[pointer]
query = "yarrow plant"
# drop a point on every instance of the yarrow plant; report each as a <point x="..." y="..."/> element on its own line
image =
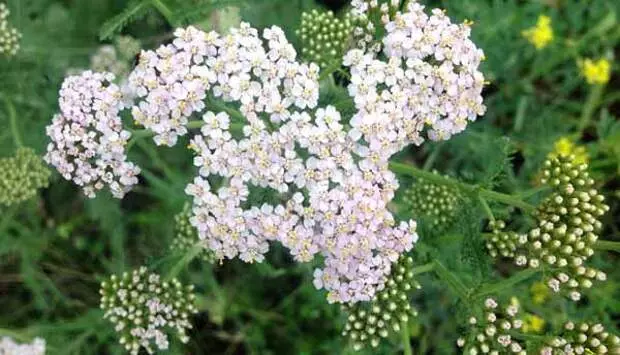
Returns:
<point x="9" y="36"/>
<point x="186" y="236"/>
<point x="22" y="176"/>
<point x="368" y="323"/>
<point x="502" y="331"/>
<point x="145" y="309"/>
<point x="568" y="227"/>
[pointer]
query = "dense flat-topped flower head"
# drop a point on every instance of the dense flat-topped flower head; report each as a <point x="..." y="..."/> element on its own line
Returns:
<point x="9" y="36"/>
<point x="22" y="176"/>
<point x="87" y="136"/>
<point x="9" y="347"/>
<point x="145" y="309"/>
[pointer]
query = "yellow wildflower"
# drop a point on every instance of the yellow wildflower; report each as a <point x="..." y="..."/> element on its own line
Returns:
<point x="540" y="292"/>
<point x="565" y="147"/>
<point x="595" y="72"/>
<point x="541" y="34"/>
<point x="533" y="323"/>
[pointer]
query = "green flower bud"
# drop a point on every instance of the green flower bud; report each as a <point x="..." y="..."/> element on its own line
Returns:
<point x="22" y="176"/>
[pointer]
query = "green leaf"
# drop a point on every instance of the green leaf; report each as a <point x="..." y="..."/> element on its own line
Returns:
<point x="134" y="11"/>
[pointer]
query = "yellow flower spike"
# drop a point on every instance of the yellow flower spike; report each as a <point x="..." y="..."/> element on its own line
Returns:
<point x="533" y="323"/>
<point x="595" y="72"/>
<point x="541" y="34"/>
<point x="540" y="292"/>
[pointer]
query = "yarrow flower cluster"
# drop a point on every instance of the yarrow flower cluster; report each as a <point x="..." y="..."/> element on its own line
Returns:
<point x="431" y="203"/>
<point x="368" y="323"/>
<point x="596" y="72"/>
<point x="9" y="36"/>
<point x="431" y="79"/>
<point x="87" y="137"/>
<point x="541" y="34"/>
<point x="583" y="338"/>
<point x="9" y="347"/>
<point x="334" y="184"/>
<point x="490" y="333"/>
<point x="144" y="309"/>
<point x="568" y="223"/>
<point x="173" y="81"/>
<point x="22" y="176"/>
<point x="186" y="236"/>
<point x="344" y="214"/>
<point x="324" y="37"/>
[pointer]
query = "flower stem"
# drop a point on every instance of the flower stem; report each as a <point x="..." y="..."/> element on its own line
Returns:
<point x="423" y="268"/>
<point x="592" y="102"/>
<point x="164" y="11"/>
<point x="474" y="190"/>
<point x="186" y="259"/>
<point x="404" y="332"/>
<point x="13" y="119"/>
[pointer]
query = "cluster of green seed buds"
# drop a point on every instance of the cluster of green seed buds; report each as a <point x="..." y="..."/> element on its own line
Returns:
<point x="567" y="229"/>
<point x="324" y="37"/>
<point x="9" y="36"/>
<point x="365" y="14"/>
<point x="186" y="236"/>
<point x="369" y="322"/>
<point x="433" y="204"/>
<point x="144" y="309"/>
<point x="491" y="332"/>
<point x="583" y="338"/>
<point x="127" y="47"/>
<point x="22" y="176"/>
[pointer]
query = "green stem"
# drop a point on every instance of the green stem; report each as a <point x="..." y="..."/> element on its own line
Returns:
<point x="487" y="209"/>
<point x="165" y="11"/>
<point x="404" y="331"/>
<point x="474" y="190"/>
<point x="592" y="102"/>
<point x="186" y="259"/>
<point x="506" y="283"/>
<point x="608" y="245"/>
<point x="423" y="268"/>
<point x="13" y="119"/>
<point x="452" y="280"/>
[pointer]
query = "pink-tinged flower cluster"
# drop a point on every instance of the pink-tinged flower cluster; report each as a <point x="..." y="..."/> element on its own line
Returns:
<point x="173" y="81"/>
<point x="87" y="138"/>
<point x="429" y="83"/>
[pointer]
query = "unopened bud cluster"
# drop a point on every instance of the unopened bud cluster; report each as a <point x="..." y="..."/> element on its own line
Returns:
<point x="433" y="204"/>
<point x="568" y="226"/>
<point x="364" y="30"/>
<point x="369" y="322"/>
<point x="583" y="338"/>
<point x="116" y="58"/>
<point x="186" y="236"/>
<point x="145" y="309"/>
<point x="491" y="332"/>
<point x="9" y="36"/>
<point x="22" y="176"/>
<point x="324" y="37"/>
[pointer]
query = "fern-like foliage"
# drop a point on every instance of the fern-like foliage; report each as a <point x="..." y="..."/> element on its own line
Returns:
<point x="134" y="11"/>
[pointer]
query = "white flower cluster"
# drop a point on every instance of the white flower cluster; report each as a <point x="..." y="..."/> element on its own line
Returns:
<point x="364" y="30"/>
<point x="431" y="79"/>
<point x="9" y="36"/>
<point x="9" y="347"/>
<point x="174" y="80"/>
<point x="144" y="309"/>
<point x="343" y="214"/>
<point x="490" y="334"/>
<point x="87" y="138"/>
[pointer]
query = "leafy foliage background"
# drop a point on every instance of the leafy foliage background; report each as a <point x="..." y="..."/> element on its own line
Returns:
<point x="54" y="250"/>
